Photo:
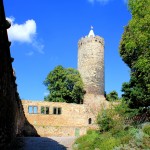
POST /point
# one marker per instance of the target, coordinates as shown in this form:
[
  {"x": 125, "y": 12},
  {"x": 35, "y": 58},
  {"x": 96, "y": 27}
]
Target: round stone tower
[{"x": 91, "y": 63}]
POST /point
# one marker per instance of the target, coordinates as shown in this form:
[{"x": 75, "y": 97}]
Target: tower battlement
[{"x": 86, "y": 39}]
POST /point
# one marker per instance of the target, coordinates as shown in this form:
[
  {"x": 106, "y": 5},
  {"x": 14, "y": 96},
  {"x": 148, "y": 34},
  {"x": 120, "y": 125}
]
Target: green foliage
[
  {"x": 113, "y": 118},
  {"x": 139, "y": 141},
  {"x": 135, "y": 52},
  {"x": 112, "y": 96},
  {"x": 109, "y": 143},
  {"x": 105, "y": 121},
  {"x": 86, "y": 141},
  {"x": 124, "y": 111},
  {"x": 106, "y": 140},
  {"x": 146, "y": 129},
  {"x": 113, "y": 133},
  {"x": 42, "y": 110},
  {"x": 65, "y": 85},
  {"x": 121, "y": 108}
]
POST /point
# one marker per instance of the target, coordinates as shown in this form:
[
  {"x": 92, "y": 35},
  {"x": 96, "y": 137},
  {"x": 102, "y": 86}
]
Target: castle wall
[
  {"x": 71, "y": 119},
  {"x": 47, "y": 131},
  {"x": 61, "y": 119},
  {"x": 8, "y": 93},
  {"x": 70, "y": 114}
]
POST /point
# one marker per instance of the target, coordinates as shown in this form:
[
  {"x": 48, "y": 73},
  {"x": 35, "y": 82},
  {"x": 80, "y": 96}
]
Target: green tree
[
  {"x": 112, "y": 96},
  {"x": 64, "y": 85},
  {"x": 135, "y": 52}
]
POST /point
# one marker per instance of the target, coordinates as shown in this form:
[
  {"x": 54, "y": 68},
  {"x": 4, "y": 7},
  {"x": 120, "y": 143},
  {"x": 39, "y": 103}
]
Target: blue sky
[{"x": 45, "y": 34}]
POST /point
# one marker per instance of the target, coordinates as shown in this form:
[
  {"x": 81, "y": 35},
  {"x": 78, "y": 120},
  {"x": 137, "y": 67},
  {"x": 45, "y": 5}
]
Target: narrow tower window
[{"x": 90, "y": 121}]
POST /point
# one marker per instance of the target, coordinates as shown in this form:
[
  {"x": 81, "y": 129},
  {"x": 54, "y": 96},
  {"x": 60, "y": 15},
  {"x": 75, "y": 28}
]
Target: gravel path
[{"x": 45, "y": 143}]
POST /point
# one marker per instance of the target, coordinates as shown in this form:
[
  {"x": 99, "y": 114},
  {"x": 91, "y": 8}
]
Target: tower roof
[{"x": 91, "y": 33}]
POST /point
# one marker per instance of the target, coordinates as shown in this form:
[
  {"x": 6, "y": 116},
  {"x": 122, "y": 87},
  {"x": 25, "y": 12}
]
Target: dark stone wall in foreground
[
  {"x": 8, "y": 92},
  {"x": 12, "y": 118}
]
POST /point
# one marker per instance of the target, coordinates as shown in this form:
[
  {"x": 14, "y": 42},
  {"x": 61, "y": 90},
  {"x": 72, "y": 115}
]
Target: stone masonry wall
[
  {"x": 70, "y": 120},
  {"x": 91, "y": 64},
  {"x": 46, "y": 131},
  {"x": 8, "y": 93},
  {"x": 76, "y": 111}
]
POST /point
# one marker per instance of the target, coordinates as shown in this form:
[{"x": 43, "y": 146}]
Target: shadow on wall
[
  {"x": 37, "y": 143},
  {"x": 24, "y": 128},
  {"x": 28, "y": 130}
]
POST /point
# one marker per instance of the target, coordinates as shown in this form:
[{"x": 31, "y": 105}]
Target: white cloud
[
  {"x": 22, "y": 32},
  {"x": 38, "y": 46},
  {"x": 25, "y": 33}
]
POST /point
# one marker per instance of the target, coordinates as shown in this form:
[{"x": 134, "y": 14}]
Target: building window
[
  {"x": 90, "y": 121},
  {"x": 35, "y": 109},
  {"x": 57, "y": 110},
  {"x": 54, "y": 110},
  {"x": 47, "y": 110},
  {"x": 32, "y": 109},
  {"x": 42, "y": 110}
]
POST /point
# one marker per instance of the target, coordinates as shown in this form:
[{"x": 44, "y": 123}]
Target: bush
[
  {"x": 105, "y": 122},
  {"x": 113, "y": 134},
  {"x": 138, "y": 141},
  {"x": 146, "y": 129},
  {"x": 105, "y": 140},
  {"x": 109, "y": 144},
  {"x": 86, "y": 142}
]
